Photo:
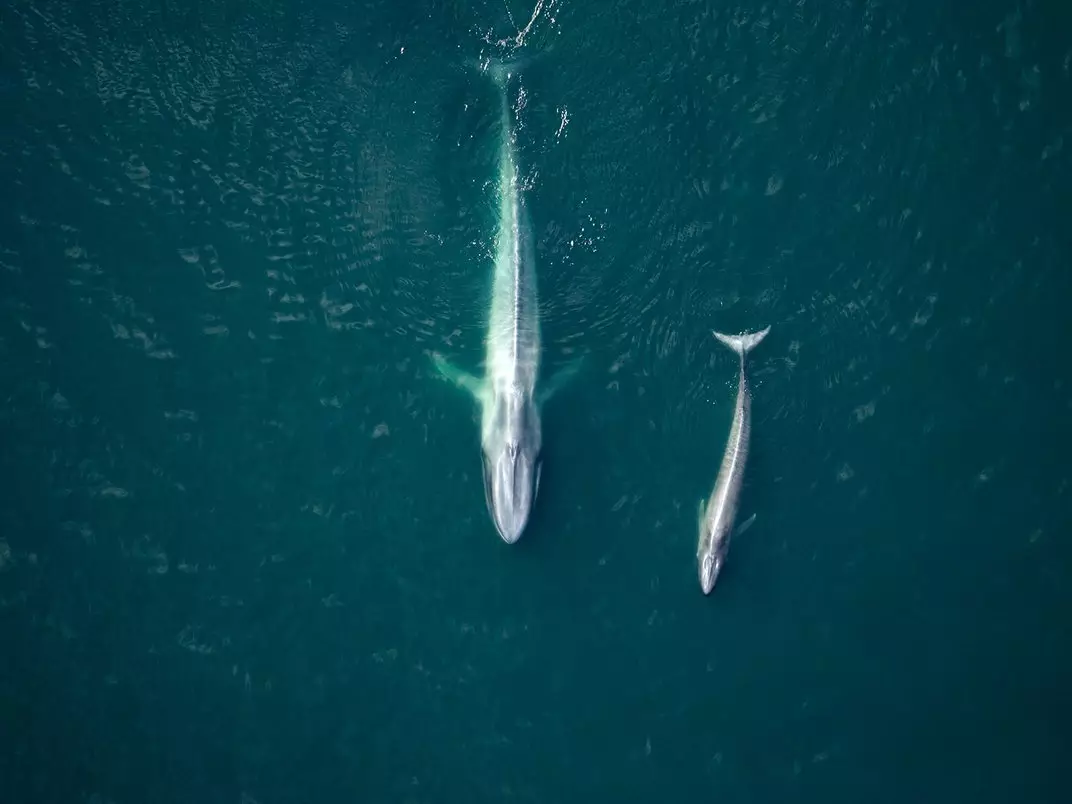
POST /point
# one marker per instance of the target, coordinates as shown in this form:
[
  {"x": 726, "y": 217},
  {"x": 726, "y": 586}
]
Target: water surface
[{"x": 244, "y": 553}]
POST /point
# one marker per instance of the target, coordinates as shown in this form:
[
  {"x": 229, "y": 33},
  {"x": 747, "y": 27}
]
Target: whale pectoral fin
[
  {"x": 701, "y": 511},
  {"x": 460, "y": 377},
  {"x": 559, "y": 379},
  {"x": 744, "y": 526}
]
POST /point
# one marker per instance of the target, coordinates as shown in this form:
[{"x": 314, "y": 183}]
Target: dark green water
[{"x": 244, "y": 553}]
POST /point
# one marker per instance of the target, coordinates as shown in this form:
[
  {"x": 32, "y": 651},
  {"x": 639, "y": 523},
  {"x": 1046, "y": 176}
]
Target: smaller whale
[{"x": 717, "y": 517}]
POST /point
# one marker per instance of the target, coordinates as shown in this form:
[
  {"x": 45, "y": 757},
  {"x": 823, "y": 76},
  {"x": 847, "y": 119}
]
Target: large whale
[
  {"x": 511, "y": 437},
  {"x": 717, "y": 518}
]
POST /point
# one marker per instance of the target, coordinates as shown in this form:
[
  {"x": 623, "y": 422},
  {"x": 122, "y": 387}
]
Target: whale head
[
  {"x": 511, "y": 481},
  {"x": 710, "y": 566}
]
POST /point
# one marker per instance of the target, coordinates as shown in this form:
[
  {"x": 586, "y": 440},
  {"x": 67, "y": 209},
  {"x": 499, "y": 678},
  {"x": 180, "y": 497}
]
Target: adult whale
[
  {"x": 511, "y": 434},
  {"x": 716, "y": 520}
]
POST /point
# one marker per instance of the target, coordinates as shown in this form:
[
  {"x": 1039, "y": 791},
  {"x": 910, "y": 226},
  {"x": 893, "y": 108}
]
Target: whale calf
[{"x": 717, "y": 517}]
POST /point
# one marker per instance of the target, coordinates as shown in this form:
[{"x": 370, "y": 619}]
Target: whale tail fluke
[
  {"x": 744, "y": 343},
  {"x": 501, "y": 71}
]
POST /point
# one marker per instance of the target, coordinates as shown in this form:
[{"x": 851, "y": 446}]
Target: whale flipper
[
  {"x": 744, "y": 526},
  {"x": 463, "y": 379},
  {"x": 559, "y": 379}
]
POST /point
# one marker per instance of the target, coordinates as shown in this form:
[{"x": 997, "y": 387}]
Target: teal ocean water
[{"x": 244, "y": 551}]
